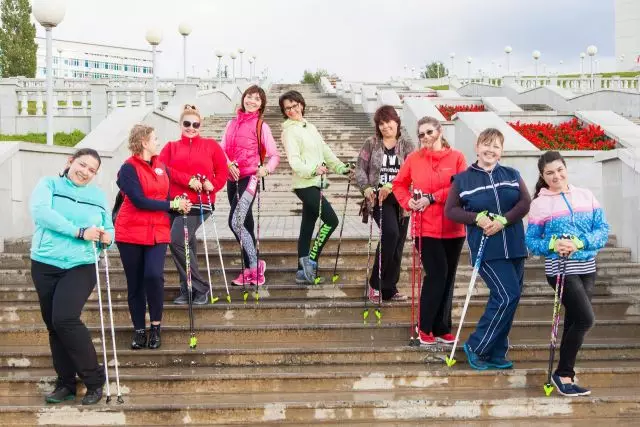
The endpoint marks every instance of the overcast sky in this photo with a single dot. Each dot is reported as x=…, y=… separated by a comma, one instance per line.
x=367, y=40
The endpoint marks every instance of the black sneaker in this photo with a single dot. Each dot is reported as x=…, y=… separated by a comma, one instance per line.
x=182, y=299
x=139, y=339
x=92, y=397
x=154, y=337
x=60, y=394
x=200, y=299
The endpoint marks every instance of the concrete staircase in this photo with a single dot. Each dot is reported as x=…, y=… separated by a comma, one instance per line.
x=302, y=355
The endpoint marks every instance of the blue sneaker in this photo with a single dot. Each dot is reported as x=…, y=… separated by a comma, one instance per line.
x=474, y=360
x=499, y=363
x=308, y=269
x=302, y=280
x=570, y=389
x=581, y=390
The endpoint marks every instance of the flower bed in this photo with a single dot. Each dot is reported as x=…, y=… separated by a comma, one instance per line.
x=565, y=136
x=449, y=110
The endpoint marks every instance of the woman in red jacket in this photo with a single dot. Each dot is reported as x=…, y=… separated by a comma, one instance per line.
x=185, y=159
x=142, y=231
x=429, y=170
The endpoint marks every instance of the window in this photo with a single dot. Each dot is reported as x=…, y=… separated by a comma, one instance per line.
x=126, y=68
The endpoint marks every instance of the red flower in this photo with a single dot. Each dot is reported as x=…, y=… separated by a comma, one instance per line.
x=570, y=135
x=449, y=110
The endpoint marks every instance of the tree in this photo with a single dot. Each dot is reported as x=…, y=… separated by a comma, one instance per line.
x=314, y=78
x=17, y=39
x=435, y=70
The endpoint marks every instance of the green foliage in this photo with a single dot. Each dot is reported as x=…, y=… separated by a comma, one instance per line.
x=441, y=87
x=60, y=138
x=31, y=106
x=314, y=78
x=17, y=39
x=434, y=70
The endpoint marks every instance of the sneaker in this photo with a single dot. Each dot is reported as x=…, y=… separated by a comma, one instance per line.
x=182, y=299
x=262, y=266
x=60, y=394
x=92, y=397
x=399, y=297
x=581, y=390
x=426, y=339
x=154, y=337
x=139, y=339
x=308, y=268
x=300, y=279
x=374, y=295
x=238, y=280
x=499, y=363
x=256, y=275
x=446, y=338
x=474, y=360
x=200, y=298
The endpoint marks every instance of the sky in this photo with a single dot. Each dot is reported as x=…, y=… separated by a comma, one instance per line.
x=362, y=40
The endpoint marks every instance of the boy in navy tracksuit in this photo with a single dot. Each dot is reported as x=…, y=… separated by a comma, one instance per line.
x=492, y=199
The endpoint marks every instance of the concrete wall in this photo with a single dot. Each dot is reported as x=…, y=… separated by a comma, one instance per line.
x=38, y=124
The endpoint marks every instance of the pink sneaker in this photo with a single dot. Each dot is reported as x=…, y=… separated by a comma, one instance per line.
x=238, y=280
x=255, y=278
x=262, y=266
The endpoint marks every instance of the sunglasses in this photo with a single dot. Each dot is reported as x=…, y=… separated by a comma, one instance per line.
x=291, y=107
x=188, y=124
x=427, y=133
x=190, y=107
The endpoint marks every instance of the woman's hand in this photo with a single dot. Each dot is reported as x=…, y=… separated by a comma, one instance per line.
x=262, y=172
x=493, y=227
x=321, y=170
x=565, y=247
x=195, y=184
x=370, y=195
x=383, y=193
x=483, y=222
x=105, y=238
x=234, y=172
x=419, y=205
x=207, y=185
x=92, y=234
x=184, y=205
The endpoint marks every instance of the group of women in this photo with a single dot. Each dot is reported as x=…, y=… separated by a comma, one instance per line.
x=162, y=193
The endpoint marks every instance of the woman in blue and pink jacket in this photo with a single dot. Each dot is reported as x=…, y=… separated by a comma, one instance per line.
x=248, y=143
x=567, y=222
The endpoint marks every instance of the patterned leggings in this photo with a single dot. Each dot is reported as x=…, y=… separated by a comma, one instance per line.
x=241, y=216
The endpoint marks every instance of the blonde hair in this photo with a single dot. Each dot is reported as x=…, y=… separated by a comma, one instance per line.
x=436, y=124
x=488, y=135
x=190, y=110
x=138, y=134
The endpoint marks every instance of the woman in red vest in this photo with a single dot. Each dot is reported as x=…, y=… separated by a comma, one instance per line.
x=143, y=231
x=185, y=159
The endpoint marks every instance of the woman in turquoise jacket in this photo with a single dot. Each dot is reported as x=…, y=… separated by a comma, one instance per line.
x=70, y=216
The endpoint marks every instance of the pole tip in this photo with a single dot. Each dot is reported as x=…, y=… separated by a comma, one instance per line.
x=229, y=299
x=335, y=278
x=548, y=389
x=193, y=342
x=449, y=361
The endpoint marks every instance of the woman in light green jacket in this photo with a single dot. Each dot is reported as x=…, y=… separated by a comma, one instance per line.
x=310, y=159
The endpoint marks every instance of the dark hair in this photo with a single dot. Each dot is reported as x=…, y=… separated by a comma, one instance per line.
x=263, y=97
x=293, y=96
x=83, y=152
x=386, y=113
x=436, y=124
x=544, y=160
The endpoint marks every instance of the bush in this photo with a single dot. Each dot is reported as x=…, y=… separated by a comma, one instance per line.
x=449, y=110
x=60, y=138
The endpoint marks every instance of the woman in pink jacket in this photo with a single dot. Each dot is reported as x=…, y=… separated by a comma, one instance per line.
x=251, y=155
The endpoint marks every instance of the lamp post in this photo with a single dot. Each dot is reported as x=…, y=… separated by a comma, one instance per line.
x=452, y=55
x=154, y=37
x=508, y=50
x=469, y=59
x=582, y=55
x=250, y=68
x=536, y=55
x=185, y=29
x=413, y=72
x=49, y=13
x=233, y=56
x=405, y=70
x=254, y=64
x=592, y=51
x=219, y=55
x=241, y=52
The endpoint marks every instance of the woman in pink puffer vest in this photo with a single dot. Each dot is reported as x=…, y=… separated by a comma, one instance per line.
x=251, y=155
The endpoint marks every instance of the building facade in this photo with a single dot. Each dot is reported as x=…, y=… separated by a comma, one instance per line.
x=627, y=14
x=81, y=60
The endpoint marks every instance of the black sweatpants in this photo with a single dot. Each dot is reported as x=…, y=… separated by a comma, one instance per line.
x=144, y=267
x=394, y=233
x=578, y=318
x=235, y=191
x=440, y=262
x=310, y=198
x=63, y=294
x=177, y=248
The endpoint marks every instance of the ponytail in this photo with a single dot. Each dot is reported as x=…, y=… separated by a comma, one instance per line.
x=539, y=186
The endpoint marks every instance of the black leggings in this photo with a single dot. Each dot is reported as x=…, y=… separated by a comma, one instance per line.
x=578, y=318
x=234, y=188
x=310, y=198
x=394, y=233
x=440, y=262
x=63, y=294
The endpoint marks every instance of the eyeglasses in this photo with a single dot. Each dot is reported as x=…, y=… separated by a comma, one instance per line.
x=188, y=124
x=190, y=107
x=427, y=133
x=291, y=107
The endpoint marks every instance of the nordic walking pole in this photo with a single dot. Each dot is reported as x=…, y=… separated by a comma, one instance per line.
x=193, y=341
x=476, y=267
x=336, y=276
x=365, y=313
x=557, y=306
x=113, y=331
x=204, y=238
x=378, y=311
x=245, y=293
x=317, y=279
x=257, y=296
x=104, y=345
x=414, y=341
x=215, y=231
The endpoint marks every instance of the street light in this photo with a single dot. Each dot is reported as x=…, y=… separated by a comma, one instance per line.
x=233, y=56
x=254, y=64
x=241, y=52
x=582, y=55
x=154, y=37
x=185, y=29
x=452, y=55
x=536, y=55
x=592, y=51
x=508, y=50
x=219, y=55
x=405, y=70
x=469, y=59
x=250, y=69
x=49, y=13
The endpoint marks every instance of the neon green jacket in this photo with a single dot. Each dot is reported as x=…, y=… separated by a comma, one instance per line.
x=306, y=150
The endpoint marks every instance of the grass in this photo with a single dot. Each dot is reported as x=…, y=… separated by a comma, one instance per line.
x=61, y=138
x=441, y=87
x=31, y=106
